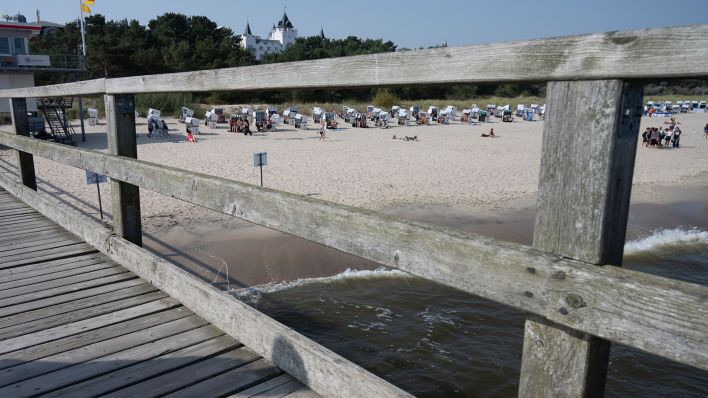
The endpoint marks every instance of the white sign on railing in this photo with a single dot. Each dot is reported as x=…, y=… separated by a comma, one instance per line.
x=32, y=60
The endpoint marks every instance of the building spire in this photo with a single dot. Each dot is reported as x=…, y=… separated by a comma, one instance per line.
x=322, y=35
x=247, y=31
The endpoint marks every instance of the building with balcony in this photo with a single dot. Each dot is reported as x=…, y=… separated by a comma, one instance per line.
x=17, y=65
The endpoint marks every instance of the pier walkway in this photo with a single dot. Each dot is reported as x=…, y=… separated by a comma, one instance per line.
x=73, y=323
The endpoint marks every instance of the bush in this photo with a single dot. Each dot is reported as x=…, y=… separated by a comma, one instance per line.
x=385, y=99
x=169, y=104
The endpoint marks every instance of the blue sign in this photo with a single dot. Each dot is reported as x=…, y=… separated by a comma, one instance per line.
x=260, y=159
x=95, y=178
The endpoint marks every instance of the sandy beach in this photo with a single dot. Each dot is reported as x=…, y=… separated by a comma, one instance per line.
x=449, y=165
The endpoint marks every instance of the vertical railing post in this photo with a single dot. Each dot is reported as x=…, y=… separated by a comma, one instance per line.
x=25, y=162
x=120, y=115
x=589, y=146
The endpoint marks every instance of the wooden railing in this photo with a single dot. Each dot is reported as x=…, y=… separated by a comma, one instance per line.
x=570, y=281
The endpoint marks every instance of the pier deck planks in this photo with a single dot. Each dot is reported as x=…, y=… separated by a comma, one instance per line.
x=74, y=322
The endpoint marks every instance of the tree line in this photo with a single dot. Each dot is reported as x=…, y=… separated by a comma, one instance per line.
x=175, y=42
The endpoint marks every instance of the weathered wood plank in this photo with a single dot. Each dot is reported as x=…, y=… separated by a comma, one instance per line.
x=469, y=262
x=145, y=370
x=167, y=383
x=66, y=297
x=85, y=87
x=122, y=141
x=288, y=389
x=57, y=291
x=58, y=283
x=12, y=283
x=230, y=381
x=25, y=163
x=48, y=267
x=13, y=212
x=28, y=233
x=40, y=248
x=149, y=348
x=95, y=310
x=23, y=226
x=76, y=305
x=264, y=387
x=586, y=223
x=85, y=343
x=612, y=55
x=50, y=254
x=13, y=245
x=31, y=339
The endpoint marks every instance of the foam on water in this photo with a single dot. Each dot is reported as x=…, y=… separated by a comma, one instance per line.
x=348, y=274
x=666, y=239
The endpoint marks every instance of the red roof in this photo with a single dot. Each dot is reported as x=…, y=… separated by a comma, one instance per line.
x=20, y=26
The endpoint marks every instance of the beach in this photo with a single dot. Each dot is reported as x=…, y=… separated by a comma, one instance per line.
x=449, y=166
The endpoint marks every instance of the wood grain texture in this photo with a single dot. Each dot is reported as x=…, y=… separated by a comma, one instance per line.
x=589, y=146
x=85, y=87
x=508, y=273
x=122, y=141
x=25, y=163
x=611, y=55
x=25, y=356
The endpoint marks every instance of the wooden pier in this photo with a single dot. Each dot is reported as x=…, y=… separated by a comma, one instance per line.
x=73, y=323
x=570, y=282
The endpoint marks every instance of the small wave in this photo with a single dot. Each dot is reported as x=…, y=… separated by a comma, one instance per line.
x=348, y=274
x=667, y=239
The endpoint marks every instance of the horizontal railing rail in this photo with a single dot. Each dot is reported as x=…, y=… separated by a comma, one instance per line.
x=661, y=316
x=613, y=55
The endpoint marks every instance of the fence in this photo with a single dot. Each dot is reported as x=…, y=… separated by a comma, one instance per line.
x=570, y=283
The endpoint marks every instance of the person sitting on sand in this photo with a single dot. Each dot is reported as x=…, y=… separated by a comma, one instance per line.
x=490, y=135
x=405, y=138
x=190, y=136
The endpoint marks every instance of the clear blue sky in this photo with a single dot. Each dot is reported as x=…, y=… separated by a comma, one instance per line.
x=411, y=24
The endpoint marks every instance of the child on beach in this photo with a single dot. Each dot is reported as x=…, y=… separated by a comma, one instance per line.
x=190, y=136
x=322, y=132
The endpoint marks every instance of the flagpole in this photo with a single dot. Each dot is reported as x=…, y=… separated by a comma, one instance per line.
x=83, y=35
x=83, y=63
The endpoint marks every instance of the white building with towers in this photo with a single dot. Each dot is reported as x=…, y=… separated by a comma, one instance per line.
x=282, y=36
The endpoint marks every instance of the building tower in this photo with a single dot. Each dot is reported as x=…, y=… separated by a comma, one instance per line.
x=284, y=32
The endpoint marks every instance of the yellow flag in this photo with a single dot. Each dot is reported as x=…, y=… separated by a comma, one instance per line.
x=85, y=8
x=90, y=2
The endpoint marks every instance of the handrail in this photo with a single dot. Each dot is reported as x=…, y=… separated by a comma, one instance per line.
x=661, y=316
x=612, y=55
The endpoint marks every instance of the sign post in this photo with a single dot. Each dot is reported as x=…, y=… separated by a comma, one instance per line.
x=95, y=178
x=260, y=159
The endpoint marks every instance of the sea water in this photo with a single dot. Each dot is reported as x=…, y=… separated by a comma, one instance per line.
x=434, y=341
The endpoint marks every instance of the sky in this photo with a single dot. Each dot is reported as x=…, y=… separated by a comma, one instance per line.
x=409, y=24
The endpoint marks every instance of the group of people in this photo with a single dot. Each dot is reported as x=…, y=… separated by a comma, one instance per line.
x=660, y=137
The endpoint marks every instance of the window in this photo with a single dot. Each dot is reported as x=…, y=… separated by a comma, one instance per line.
x=20, y=47
x=4, y=45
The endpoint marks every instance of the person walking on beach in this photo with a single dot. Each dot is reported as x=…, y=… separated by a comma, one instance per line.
x=322, y=131
x=705, y=131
